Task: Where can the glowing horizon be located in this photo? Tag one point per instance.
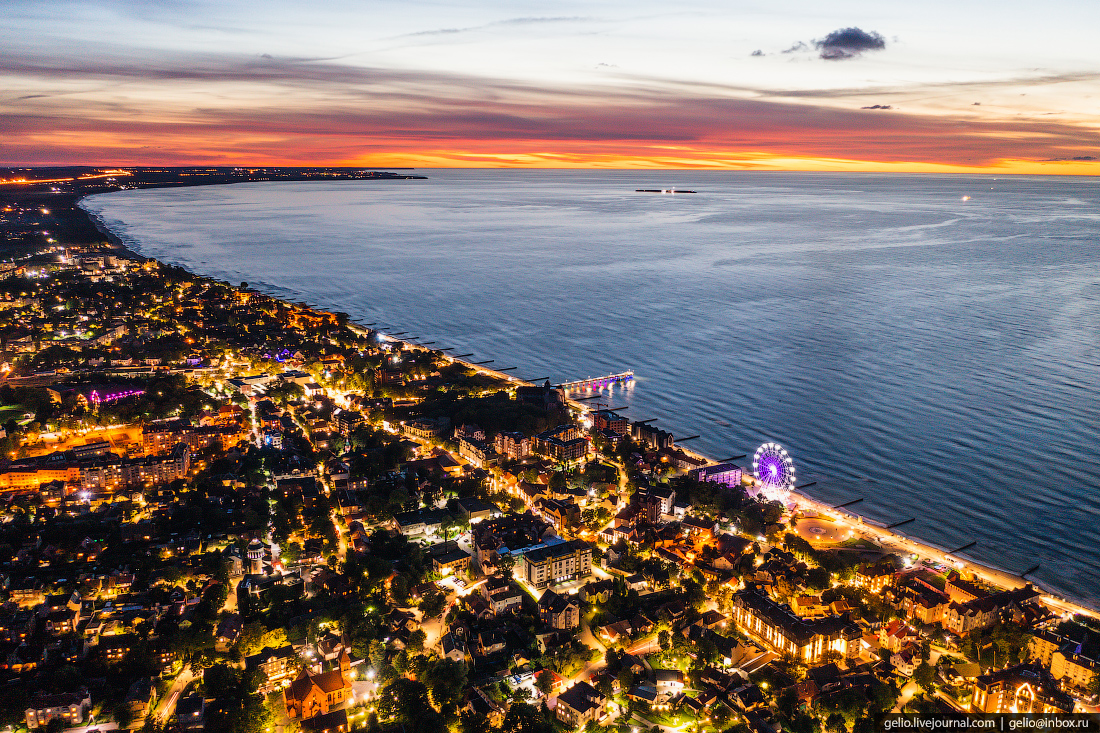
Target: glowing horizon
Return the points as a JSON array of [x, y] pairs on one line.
[[620, 85]]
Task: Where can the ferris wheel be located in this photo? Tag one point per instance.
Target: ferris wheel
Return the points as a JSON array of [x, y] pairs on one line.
[[774, 472]]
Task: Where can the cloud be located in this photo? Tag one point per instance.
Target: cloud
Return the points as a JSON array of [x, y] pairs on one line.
[[878, 106], [800, 46], [187, 108], [757, 52], [848, 43]]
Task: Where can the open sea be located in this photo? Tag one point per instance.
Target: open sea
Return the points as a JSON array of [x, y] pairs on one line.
[[936, 355]]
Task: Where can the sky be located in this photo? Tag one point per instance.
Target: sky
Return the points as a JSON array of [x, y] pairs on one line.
[[922, 85]]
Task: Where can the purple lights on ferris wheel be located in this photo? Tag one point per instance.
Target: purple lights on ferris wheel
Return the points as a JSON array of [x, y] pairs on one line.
[[774, 471]]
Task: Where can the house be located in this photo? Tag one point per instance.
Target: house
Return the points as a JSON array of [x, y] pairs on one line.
[[896, 634], [962, 618], [491, 642], [669, 680], [809, 607], [68, 707], [580, 704], [559, 612], [276, 666], [906, 660], [452, 562], [334, 722], [229, 629], [312, 695], [140, 698], [1023, 688], [598, 591], [501, 595], [453, 647], [874, 577], [191, 713]]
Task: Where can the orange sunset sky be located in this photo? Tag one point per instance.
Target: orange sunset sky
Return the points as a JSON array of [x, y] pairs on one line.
[[789, 85]]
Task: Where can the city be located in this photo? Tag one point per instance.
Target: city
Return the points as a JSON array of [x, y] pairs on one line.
[[226, 511]]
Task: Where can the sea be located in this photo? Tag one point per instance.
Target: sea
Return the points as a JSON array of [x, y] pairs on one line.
[[928, 344]]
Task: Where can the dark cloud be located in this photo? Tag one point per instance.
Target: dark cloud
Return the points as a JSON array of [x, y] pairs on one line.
[[878, 106], [757, 52], [848, 43], [800, 46]]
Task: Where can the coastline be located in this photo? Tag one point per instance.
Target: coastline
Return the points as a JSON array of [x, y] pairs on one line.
[[892, 540]]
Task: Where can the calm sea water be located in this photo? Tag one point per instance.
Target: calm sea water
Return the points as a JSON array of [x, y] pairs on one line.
[[936, 355]]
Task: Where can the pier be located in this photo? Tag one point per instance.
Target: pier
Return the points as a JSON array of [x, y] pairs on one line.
[[598, 382], [898, 524]]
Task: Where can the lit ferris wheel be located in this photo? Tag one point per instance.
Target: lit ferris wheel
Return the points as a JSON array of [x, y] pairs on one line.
[[774, 471]]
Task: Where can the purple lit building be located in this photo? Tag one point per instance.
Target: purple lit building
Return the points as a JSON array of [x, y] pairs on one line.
[[721, 473]]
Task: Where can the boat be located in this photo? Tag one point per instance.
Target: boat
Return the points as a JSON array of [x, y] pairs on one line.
[[662, 190]]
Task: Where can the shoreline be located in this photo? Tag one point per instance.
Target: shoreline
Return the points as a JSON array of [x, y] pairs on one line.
[[894, 541]]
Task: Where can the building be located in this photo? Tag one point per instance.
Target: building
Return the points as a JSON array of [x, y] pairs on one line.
[[562, 443], [191, 713], [422, 521], [560, 514], [874, 577], [962, 618], [669, 680], [511, 535], [612, 421], [276, 666], [334, 722], [1023, 688], [68, 707], [1062, 657], [347, 421], [475, 510], [721, 473], [962, 591], [140, 698], [559, 612], [311, 695], [557, 563], [650, 436], [547, 396], [454, 561], [512, 445], [580, 704], [759, 616], [501, 595]]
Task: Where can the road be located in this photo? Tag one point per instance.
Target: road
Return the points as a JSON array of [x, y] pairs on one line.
[[910, 689], [168, 702]]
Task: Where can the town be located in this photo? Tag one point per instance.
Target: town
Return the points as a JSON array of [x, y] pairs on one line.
[[224, 511]]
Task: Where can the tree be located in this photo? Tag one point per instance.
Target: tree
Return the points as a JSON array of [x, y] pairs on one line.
[[923, 676], [506, 563], [446, 680], [835, 723], [416, 641], [432, 604], [664, 639], [403, 700], [545, 682], [377, 654], [525, 718], [471, 722]]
